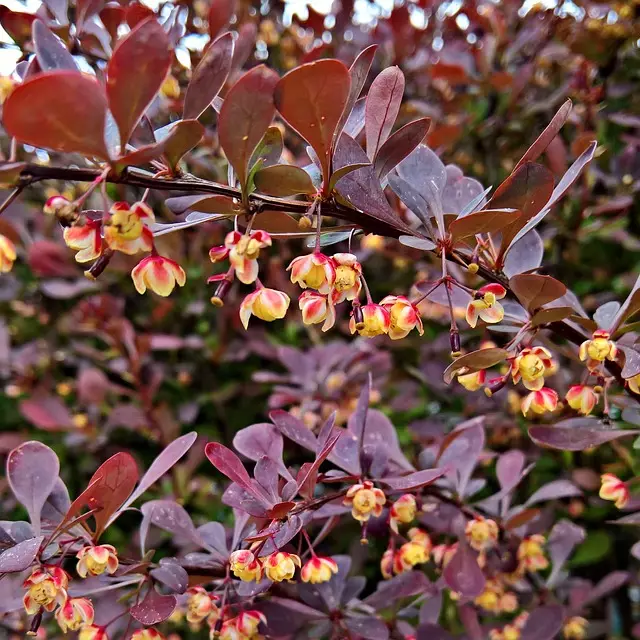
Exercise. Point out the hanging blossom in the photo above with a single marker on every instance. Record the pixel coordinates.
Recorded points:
(266, 304)
(598, 349)
(314, 271)
(126, 229)
(486, 306)
(365, 500)
(318, 570)
(159, 274)
(74, 614)
(403, 316)
(7, 254)
(243, 252)
(317, 308)
(541, 401)
(95, 560)
(531, 366)
(46, 588)
(375, 321)
(614, 489)
(86, 239)
(582, 398)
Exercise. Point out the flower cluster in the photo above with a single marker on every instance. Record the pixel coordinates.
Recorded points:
(416, 551)
(280, 566)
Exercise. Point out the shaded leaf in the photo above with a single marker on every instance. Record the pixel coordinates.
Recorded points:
(208, 77)
(486, 221)
(46, 412)
(32, 472)
(132, 87)
(552, 314)
(399, 145)
(294, 429)
(543, 623)
(476, 360)
(247, 111)
(554, 490)
(51, 52)
(61, 110)
(462, 573)
(524, 255)
(534, 290)
(576, 434)
(220, 14)
(549, 133)
(631, 366)
(171, 574)
(20, 556)
(572, 174)
(168, 516)
(413, 480)
(154, 608)
(311, 99)
(417, 243)
(563, 538)
(283, 180)
(521, 518)
(344, 171)
(382, 107)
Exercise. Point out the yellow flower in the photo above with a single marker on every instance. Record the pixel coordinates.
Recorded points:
(200, 604)
(531, 365)
(281, 566)
(147, 634)
(471, 381)
(582, 398)
(347, 283)
(634, 384)
(93, 632)
(387, 563)
(86, 239)
(575, 628)
(531, 554)
(47, 588)
(7, 254)
(598, 349)
(376, 321)
(318, 570)
(420, 537)
(365, 500)
(95, 560)
(540, 401)
(409, 555)
(404, 316)
(481, 533)
(126, 229)
(266, 304)
(403, 510)
(486, 307)
(314, 270)
(245, 566)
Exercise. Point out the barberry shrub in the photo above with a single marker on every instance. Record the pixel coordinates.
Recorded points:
(451, 466)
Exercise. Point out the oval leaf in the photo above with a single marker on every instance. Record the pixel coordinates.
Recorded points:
(534, 291)
(311, 99)
(462, 573)
(61, 110)
(576, 437)
(476, 360)
(283, 180)
(154, 608)
(51, 52)
(131, 86)
(382, 107)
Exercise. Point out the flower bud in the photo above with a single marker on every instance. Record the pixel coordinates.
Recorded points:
(575, 628)
(318, 570)
(531, 555)
(150, 633)
(245, 566)
(266, 304)
(481, 533)
(403, 510)
(582, 398)
(614, 489)
(93, 632)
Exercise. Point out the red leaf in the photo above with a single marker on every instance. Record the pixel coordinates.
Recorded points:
(220, 14)
(246, 114)
(60, 110)
(209, 76)
(47, 412)
(534, 291)
(485, 221)
(382, 107)
(135, 74)
(109, 487)
(399, 145)
(311, 99)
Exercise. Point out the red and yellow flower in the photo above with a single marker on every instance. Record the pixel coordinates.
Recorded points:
(403, 511)
(634, 384)
(531, 554)
(598, 349)
(7, 254)
(582, 398)
(376, 321)
(486, 307)
(242, 251)
(482, 533)
(313, 271)
(575, 628)
(74, 614)
(86, 239)
(421, 537)
(386, 564)
(247, 622)
(245, 566)
(531, 365)
(126, 229)
(540, 401)
(95, 560)
(150, 633)
(365, 500)
(614, 489)
(347, 283)
(316, 308)
(471, 380)
(404, 316)
(281, 566)
(46, 588)
(318, 569)
(159, 274)
(59, 206)
(200, 604)
(93, 632)
(409, 555)
(266, 304)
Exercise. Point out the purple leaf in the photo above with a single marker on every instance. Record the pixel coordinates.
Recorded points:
(607, 585)
(361, 188)
(215, 535)
(167, 458)
(631, 362)
(381, 433)
(572, 174)
(266, 475)
(51, 52)
(404, 585)
(20, 556)
(564, 536)
(413, 480)
(261, 440)
(524, 255)
(32, 472)
(171, 575)
(293, 429)
(469, 618)
(463, 574)
(237, 497)
(399, 145)
(307, 483)
(430, 609)
(421, 167)
(208, 77)
(228, 463)
(554, 491)
(357, 420)
(286, 531)
(577, 434)
(509, 469)
(432, 632)
(367, 626)
(168, 516)
(543, 623)
(46, 412)
(460, 453)
(461, 195)
(382, 106)
(358, 73)
(154, 608)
